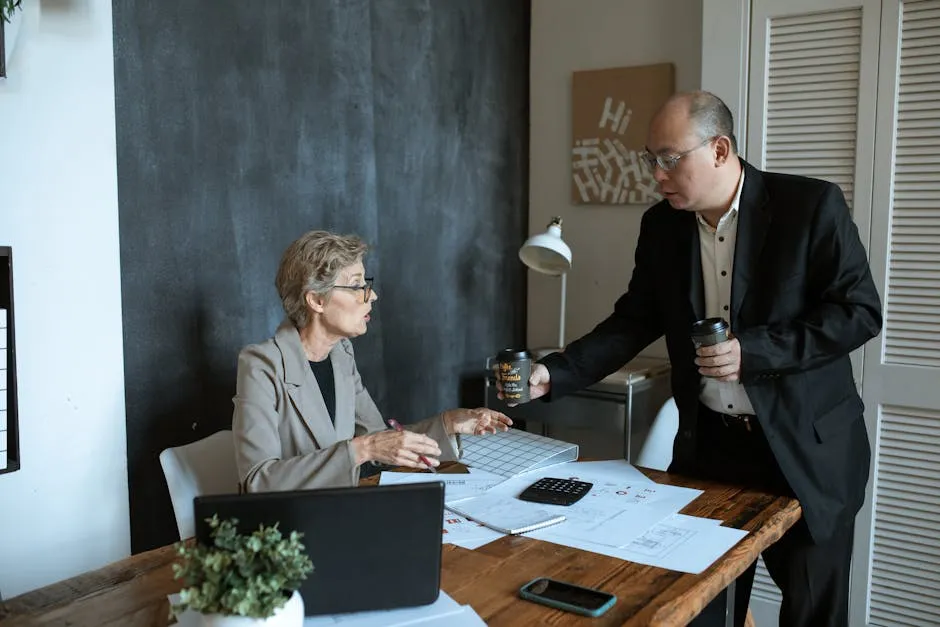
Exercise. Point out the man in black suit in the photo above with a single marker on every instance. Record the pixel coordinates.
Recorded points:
(775, 406)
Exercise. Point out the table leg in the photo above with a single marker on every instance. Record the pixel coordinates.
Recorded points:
(729, 605)
(718, 613)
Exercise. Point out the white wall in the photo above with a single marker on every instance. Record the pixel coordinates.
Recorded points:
(725, 48)
(66, 510)
(569, 35)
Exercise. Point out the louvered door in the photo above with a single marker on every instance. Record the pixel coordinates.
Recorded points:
(896, 578)
(813, 74)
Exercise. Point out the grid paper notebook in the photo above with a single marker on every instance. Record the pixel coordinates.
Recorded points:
(505, 514)
(514, 452)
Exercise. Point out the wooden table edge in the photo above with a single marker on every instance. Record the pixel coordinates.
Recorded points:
(86, 585)
(672, 614)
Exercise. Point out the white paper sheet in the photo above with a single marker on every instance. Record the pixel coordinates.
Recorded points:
(466, 533)
(444, 611)
(456, 487)
(617, 470)
(507, 514)
(614, 482)
(474, 543)
(599, 516)
(615, 528)
(444, 607)
(682, 543)
(466, 617)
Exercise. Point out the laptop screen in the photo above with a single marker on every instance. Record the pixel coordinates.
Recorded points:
(372, 547)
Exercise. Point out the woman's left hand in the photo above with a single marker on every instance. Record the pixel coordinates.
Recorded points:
(475, 421)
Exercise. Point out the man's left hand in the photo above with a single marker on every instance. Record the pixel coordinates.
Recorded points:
(475, 421)
(720, 361)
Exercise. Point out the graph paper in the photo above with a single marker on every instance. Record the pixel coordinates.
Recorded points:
(514, 452)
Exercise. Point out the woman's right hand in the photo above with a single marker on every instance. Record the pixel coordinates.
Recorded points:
(396, 448)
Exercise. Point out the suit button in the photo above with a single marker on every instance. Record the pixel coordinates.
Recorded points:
(687, 434)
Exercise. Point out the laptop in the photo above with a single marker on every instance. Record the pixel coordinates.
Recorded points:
(372, 547)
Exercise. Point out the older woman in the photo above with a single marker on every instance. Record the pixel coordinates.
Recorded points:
(303, 418)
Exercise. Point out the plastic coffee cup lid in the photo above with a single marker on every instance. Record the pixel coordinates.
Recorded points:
(709, 326)
(512, 354)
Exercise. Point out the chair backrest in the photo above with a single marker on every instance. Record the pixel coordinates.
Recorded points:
(200, 468)
(657, 449)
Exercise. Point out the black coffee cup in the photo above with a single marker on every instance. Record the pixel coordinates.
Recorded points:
(709, 331)
(513, 367)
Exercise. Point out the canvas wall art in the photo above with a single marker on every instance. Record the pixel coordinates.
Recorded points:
(611, 110)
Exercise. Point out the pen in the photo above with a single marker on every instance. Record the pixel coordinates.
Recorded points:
(397, 427)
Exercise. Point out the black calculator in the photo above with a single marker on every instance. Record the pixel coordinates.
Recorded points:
(556, 491)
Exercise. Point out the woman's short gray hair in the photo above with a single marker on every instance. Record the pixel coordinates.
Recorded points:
(312, 263)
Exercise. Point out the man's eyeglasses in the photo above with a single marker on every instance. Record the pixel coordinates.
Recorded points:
(668, 162)
(366, 289)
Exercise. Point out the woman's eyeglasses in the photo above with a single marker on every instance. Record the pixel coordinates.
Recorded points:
(366, 288)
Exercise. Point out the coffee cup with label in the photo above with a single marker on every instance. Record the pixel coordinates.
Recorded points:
(709, 331)
(513, 367)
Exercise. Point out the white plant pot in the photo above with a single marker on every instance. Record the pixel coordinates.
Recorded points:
(291, 614)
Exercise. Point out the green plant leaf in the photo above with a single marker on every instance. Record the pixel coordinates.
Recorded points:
(7, 7)
(240, 575)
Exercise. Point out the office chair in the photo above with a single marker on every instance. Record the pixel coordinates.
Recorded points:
(656, 452)
(206, 466)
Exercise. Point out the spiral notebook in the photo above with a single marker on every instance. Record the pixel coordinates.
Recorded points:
(505, 514)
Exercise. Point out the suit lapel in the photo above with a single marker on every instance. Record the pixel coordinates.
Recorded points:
(345, 392)
(696, 284)
(753, 224)
(302, 386)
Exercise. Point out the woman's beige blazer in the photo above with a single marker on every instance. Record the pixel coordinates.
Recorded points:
(284, 438)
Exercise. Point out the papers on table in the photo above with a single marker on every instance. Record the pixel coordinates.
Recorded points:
(464, 532)
(506, 514)
(625, 514)
(620, 506)
(456, 487)
(613, 469)
(443, 612)
(684, 543)
(614, 528)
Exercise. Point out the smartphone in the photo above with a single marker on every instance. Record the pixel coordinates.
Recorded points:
(567, 596)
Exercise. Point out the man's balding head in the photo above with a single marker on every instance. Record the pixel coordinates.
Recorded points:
(694, 152)
(707, 113)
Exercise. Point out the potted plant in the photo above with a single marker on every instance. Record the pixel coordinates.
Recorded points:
(7, 35)
(7, 7)
(243, 580)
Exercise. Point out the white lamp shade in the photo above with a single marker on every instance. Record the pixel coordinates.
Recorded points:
(547, 252)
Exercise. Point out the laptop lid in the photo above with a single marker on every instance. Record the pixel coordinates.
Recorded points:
(372, 547)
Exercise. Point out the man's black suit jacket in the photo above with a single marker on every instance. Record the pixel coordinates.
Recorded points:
(802, 298)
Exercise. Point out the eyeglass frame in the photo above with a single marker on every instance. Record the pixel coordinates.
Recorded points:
(367, 290)
(652, 160)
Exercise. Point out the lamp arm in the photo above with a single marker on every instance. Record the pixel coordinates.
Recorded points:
(561, 314)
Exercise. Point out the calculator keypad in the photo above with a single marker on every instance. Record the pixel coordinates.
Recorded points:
(556, 491)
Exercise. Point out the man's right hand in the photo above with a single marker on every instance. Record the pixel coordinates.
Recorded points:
(539, 383)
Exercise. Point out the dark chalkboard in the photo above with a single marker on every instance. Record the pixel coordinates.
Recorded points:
(240, 125)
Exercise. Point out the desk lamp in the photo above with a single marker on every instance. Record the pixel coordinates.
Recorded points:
(549, 254)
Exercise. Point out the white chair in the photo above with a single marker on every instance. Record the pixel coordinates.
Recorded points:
(206, 466)
(657, 449)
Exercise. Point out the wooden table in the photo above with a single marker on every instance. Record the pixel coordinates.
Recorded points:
(132, 592)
